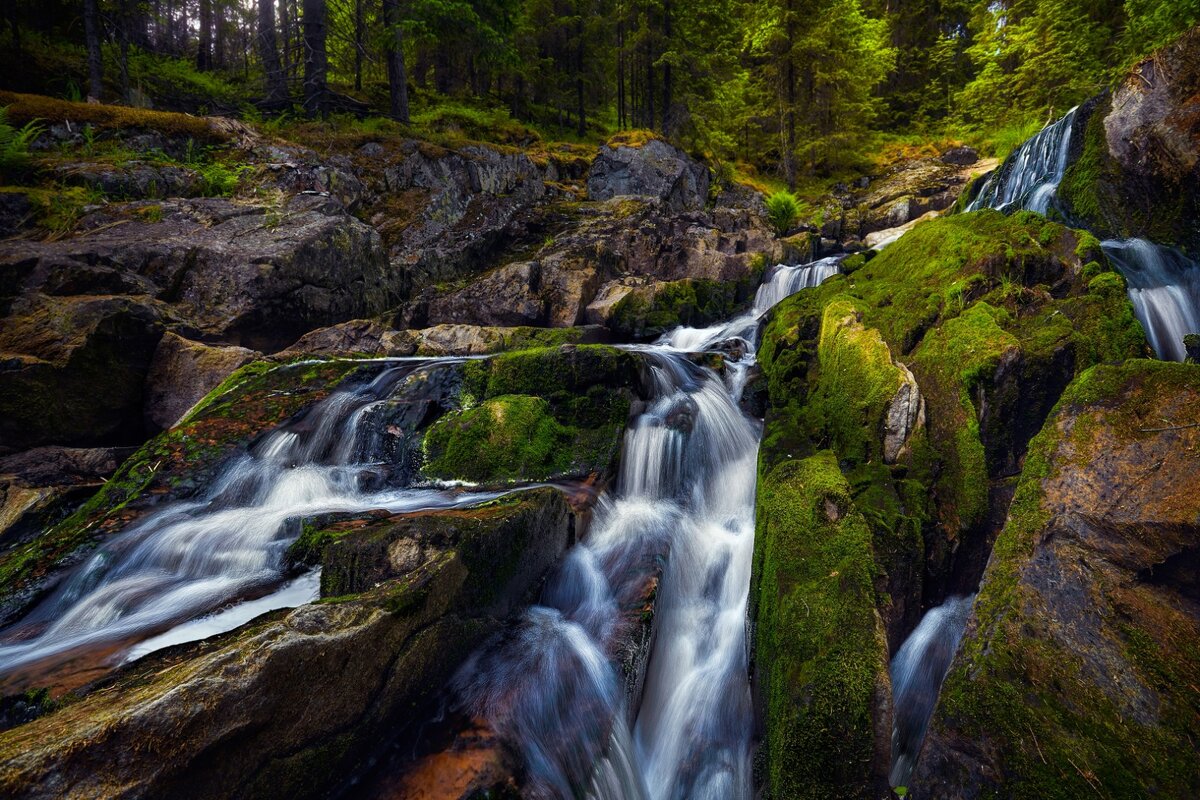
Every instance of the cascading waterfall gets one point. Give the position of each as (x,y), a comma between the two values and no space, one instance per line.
(193,557)
(917,671)
(1164,284)
(1164,287)
(685,499)
(1029,177)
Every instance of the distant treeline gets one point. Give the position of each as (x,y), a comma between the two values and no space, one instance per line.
(793,84)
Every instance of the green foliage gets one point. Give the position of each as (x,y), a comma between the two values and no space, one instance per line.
(14,144)
(782,212)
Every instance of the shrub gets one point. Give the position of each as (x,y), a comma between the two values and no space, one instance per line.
(14,144)
(782,212)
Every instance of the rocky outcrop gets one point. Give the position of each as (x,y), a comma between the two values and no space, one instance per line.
(623,242)
(288,705)
(650,169)
(1135,155)
(182,372)
(1078,672)
(899,407)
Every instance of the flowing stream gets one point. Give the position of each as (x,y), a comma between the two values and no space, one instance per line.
(172,576)
(917,670)
(684,504)
(1164,284)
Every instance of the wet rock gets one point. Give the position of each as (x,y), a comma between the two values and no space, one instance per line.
(182,372)
(655,169)
(509,295)
(1078,670)
(1134,165)
(292,703)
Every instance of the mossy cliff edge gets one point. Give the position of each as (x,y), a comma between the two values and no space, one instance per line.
(901,399)
(1079,670)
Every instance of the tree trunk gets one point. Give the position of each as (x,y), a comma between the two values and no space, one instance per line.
(315,58)
(123,43)
(579,57)
(358,44)
(277,93)
(668,122)
(219,32)
(649,91)
(397,76)
(204,50)
(91,32)
(620,72)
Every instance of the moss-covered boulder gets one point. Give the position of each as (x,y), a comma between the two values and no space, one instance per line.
(1135,157)
(536,414)
(647,312)
(991,316)
(914,384)
(821,651)
(1079,670)
(290,705)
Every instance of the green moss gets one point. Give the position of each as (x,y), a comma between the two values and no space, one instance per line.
(820,648)
(693,302)
(515,438)
(27,107)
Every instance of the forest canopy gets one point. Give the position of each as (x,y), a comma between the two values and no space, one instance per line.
(789,87)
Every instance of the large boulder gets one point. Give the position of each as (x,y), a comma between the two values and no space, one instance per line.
(73,370)
(1135,153)
(1079,669)
(238,273)
(901,399)
(652,168)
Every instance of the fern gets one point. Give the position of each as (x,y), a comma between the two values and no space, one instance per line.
(14,144)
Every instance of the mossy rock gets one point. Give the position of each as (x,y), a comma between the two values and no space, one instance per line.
(1078,675)
(516,438)
(821,654)
(652,311)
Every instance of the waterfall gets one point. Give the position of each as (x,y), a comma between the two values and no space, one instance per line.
(917,671)
(191,558)
(684,499)
(1030,176)
(1164,287)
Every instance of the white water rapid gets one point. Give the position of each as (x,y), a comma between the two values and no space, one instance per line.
(684,500)
(183,565)
(917,670)
(1164,284)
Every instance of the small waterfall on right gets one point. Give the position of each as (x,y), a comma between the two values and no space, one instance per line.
(1164,287)
(1164,284)
(917,670)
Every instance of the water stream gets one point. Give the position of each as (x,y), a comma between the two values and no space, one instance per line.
(212,563)
(1164,284)
(917,670)
(684,500)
